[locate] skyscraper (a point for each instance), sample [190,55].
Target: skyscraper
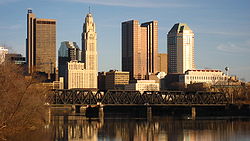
[68,51]
[139,48]
[180,48]
[89,52]
[151,45]
[41,44]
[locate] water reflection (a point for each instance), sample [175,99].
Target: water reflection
[121,128]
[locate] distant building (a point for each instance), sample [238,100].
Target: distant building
[15,58]
[101,81]
[139,48]
[41,45]
[143,85]
[68,51]
[116,79]
[203,76]
[75,75]
[3,52]
[180,49]
[162,62]
[55,84]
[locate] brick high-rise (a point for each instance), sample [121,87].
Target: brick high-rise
[41,45]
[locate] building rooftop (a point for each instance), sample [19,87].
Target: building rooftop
[179,28]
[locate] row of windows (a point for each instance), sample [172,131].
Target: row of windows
[205,78]
[46,22]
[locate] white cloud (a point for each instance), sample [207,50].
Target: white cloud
[235,48]
[134,3]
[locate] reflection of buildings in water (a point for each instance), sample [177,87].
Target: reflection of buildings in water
[76,128]
[197,135]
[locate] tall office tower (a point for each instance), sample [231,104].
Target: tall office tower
[180,49]
[41,45]
[139,48]
[68,51]
[89,52]
[151,45]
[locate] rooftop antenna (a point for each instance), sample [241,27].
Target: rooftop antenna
[89,9]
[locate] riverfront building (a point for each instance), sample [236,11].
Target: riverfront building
[116,79]
[180,49]
[41,45]
[139,48]
[203,76]
[143,85]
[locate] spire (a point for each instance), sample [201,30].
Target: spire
[89,10]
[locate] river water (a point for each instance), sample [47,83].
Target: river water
[123,127]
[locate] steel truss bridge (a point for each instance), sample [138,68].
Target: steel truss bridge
[135,98]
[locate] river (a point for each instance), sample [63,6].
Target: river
[123,127]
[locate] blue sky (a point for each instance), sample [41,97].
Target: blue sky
[221,27]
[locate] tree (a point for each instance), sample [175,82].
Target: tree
[22,101]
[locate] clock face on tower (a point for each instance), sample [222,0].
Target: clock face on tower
[91,36]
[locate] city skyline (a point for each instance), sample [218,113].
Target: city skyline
[223,36]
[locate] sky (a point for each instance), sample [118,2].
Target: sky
[221,27]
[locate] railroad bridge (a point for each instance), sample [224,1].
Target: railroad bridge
[135,98]
[188,103]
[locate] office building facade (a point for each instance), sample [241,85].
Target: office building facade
[162,62]
[180,49]
[41,45]
[203,76]
[116,80]
[139,48]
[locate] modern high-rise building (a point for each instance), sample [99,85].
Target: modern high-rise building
[41,45]
[162,62]
[180,49]
[150,41]
[68,51]
[89,52]
[139,48]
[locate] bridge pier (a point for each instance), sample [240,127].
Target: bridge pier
[193,110]
[76,108]
[101,113]
[149,113]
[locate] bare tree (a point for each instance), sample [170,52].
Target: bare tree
[22,101]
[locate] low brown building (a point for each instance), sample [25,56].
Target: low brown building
[116,79]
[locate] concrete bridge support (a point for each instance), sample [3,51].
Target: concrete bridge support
[149,113]
[193,110]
